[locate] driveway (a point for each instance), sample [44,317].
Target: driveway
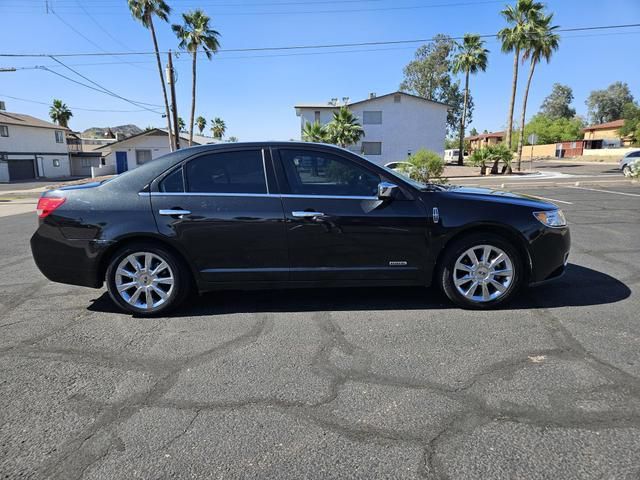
[349,383]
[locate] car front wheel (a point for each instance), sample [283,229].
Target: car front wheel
[481,271]
[146,280]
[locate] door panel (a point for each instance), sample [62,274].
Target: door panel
[337,228]
[121,162]
[21,169]
[228,238]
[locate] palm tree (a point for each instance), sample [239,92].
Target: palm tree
[201,123]
[60,113]
[218,128]
[314,132]
[232,139]
[144,11]
[542,43]
[181,124]
[196,34]
[344,129]
[521,17]
[471,57]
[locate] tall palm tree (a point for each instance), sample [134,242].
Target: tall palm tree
[521,19]
[194,35]
[60,113]
[542,43]
[201,123]
[471,58]
[218,128]
[181,124]
[144,11]
[344,129]
[314,132]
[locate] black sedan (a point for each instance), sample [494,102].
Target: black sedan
[286,214]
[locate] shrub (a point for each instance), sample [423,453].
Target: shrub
[493,153]
[424,166]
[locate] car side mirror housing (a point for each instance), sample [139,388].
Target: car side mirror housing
[387,190]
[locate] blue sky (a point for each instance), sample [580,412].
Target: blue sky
[255,92]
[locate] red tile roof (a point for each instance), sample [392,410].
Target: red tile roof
[606,126]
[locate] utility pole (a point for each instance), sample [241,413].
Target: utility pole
[171,78]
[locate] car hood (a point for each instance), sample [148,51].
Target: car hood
[498,196]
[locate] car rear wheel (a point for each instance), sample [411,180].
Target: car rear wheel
[146,280]
[481,271]
[626,171]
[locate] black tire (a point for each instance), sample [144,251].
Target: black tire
[626,171]
[446,270]
[178,271]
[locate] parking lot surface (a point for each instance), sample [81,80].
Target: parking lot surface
[349,383]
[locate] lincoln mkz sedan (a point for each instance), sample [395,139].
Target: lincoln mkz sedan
[286,214]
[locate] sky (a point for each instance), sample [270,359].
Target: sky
[254,92]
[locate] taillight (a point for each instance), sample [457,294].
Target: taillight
[46,205]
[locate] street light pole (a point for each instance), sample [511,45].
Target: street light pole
[171,78]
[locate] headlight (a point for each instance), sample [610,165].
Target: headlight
[551,218]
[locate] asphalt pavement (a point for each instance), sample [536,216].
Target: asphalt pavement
[326,383]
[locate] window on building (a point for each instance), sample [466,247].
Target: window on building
[56,162]
[372,117]
[316,116]
[372,148]
[397,98]
[4,131]
[319,173]
[3,156]
[59,136]
[143,156]
[228,172]
[85,162]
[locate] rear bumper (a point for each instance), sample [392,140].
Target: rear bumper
[549,255]
[75,262]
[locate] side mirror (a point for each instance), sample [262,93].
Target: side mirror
[387,190]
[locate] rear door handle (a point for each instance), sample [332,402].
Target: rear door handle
[174,212]
[301,214]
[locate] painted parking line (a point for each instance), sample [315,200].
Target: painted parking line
[549,199]
[604,191]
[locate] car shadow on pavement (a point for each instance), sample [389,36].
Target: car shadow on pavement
[580,286]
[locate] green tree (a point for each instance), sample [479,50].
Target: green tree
[181,124]
[473,132]
[492,153]
[232,139]
[344,129]
[521,19]
[60,113]
[424,166]
[608,105]
[218,128]
[550,130]
[144,11]
[314,132]
[429,75]
[470,59]
[201,123]
[194,35]
[540,46]
[631,127]
[558,103]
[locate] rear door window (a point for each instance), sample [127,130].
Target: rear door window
[227,172]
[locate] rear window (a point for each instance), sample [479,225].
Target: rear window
[227,172]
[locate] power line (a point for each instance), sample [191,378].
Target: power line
[72,108]
[308,47]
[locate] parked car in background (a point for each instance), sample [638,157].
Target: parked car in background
[626,162]
[397,165]
[451,155]
[285,214]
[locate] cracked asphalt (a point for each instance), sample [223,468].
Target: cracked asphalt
[349,383]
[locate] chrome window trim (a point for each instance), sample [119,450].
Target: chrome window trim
[264,170]
[259,195]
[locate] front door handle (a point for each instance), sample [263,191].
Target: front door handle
[301,214]
[174,212]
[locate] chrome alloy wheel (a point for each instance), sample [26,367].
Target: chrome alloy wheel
[483,273]
[144,280]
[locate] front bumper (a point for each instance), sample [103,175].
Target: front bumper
[549,255]
[75,262]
